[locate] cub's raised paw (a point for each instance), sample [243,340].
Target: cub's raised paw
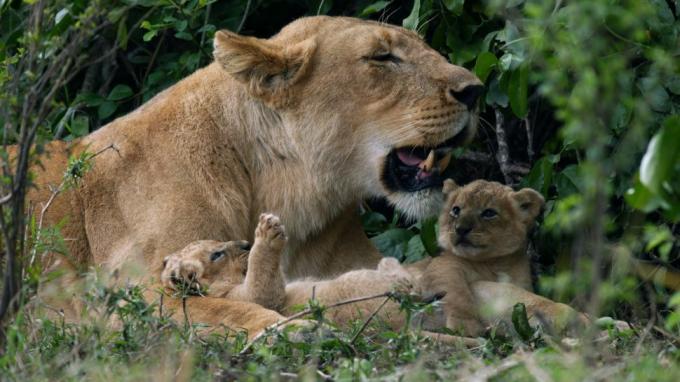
[270,231]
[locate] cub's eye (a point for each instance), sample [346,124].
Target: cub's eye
[384,57]
[489,213]
[217,255]
[455,211]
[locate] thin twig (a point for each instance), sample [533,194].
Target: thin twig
[368,320]
[503,155]
[306,312]
[244,17]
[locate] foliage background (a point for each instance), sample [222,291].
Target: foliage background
[581,104]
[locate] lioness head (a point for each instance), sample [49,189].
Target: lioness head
[207,266]
[486,219]
[368,102]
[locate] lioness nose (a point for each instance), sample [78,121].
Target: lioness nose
[468,95]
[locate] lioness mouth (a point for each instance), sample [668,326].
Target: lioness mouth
[412,169]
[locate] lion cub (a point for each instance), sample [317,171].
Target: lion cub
[483,235]
[483,231]
[236,271]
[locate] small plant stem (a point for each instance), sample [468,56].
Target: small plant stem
[369,319]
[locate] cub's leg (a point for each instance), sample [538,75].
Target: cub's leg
[496,300]
[264,283]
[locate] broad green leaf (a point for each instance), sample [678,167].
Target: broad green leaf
[393,242]
[485,63]
[80,126]
[411,22]
[122,34]
[455,6]
[119,92]
[540,176]
[148,36]
[662,155]
[374,8]
[520,322]
[106,109]
[373,222]
[518,91]
[415,250]
[567,181]
[428,234]
[656,96]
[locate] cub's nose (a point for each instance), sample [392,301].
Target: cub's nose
[463,230]
[468,95]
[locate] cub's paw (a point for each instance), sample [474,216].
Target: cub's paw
[270,232]
[182,274]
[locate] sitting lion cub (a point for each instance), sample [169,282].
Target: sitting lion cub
[483,234]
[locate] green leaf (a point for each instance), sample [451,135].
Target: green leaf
[122,34]
[428,235]
[415,250]
[106,109]
[184,36]
[148,36]
[411,22]
[455,6]
[520,322]
[662,156]
[517,91]
[374,8]
[654,93]
[485,63]
[393,242]
[567,181]
[119,92]
[80,126]
[540,176]
[373,222]
[494,94]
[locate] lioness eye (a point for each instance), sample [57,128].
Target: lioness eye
[455,211]
[489,213]
[217,255]
[385,57]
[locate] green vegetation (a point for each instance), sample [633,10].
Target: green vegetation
[581,104]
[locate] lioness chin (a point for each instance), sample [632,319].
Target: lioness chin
[305,124]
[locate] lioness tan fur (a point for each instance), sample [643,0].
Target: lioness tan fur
[304,124]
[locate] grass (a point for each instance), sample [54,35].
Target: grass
[144,345]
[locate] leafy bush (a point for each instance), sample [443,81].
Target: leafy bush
[581,104]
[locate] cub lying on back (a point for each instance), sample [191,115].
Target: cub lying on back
[234,270]
[483,230]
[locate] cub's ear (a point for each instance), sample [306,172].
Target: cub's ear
[449,186]
[530,203]
[266,68]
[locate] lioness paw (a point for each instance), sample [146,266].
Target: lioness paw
[270,231]
[467,326]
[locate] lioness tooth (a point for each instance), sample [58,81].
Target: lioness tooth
[428,164]
[444,162]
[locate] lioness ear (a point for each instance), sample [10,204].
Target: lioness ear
[265,67]
[449,186]
[530,203]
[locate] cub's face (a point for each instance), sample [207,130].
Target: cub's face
[207,266]
[368,101]
[484,219]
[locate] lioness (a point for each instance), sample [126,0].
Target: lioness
[305,124]
[483,233]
